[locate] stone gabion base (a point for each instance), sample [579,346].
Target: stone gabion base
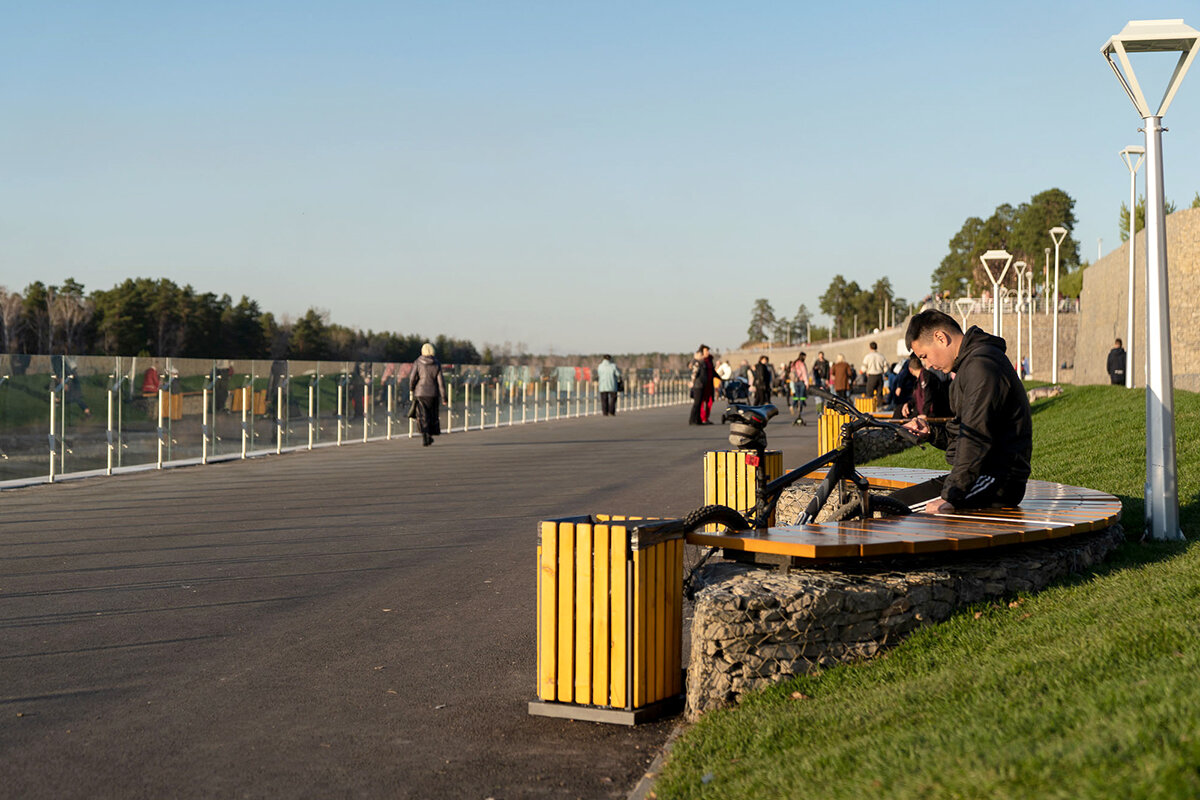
[755,626]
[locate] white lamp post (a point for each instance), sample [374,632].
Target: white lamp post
[1046,280]
[1020,268]
[1057,233]
[997,256]
[1127,155]
[1029,283]
[1156,36]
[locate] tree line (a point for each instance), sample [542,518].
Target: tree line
[1023,230]
[142,316]
[851,308]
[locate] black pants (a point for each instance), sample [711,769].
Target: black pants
[608,403]
[874,385]
[429,418]
[986,492]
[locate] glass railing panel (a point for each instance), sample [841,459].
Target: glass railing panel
[24,416]
[137,381]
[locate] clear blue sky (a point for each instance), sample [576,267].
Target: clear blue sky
[582,176]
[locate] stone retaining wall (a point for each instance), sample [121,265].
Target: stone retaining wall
[755,626]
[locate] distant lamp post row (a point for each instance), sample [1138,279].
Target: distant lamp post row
[1156,36]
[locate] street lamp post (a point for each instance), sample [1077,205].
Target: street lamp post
[1156,36]
[1046,280]
[1127,155]
[1057,233]
[1029,283]
[1020,268]
[1006,257]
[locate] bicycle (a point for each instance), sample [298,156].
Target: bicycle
[747,431]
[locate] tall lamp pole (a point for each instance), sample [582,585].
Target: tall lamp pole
[1020,268]
[1029,283]
[1156,36]
[1057,233]
[1006,257]
[1127,155]
[1046,279]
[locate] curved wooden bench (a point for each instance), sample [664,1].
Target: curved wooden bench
[1049,511]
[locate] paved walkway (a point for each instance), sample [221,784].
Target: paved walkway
[347,622]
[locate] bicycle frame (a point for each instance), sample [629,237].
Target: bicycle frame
[841,468]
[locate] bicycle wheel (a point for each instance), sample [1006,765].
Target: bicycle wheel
[694,555]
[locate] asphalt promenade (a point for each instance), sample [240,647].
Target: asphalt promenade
[349,622]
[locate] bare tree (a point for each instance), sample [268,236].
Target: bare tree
[10,317]
[69,316]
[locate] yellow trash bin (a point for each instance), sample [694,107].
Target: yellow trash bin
[609,619]
[865,404]
[730,478]
[829,430]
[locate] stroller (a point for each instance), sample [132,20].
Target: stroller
[736,390]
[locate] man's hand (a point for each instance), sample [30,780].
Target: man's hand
[937,506]
[918,427]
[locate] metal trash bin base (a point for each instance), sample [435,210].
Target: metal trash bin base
[612,716]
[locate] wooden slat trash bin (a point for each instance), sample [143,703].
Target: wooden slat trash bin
[609,619]
[829,429]
[865,404]
[730,478]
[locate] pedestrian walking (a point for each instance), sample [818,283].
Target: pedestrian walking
[798,379]
[707,391]
[820,371]
[761,379]
[428,389]
[840,376]
[874,366]
[697,391]
[608,376]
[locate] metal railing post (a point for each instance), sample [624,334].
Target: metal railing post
[160,429]
[247,397]
[524,392]
[391,407]
[278,420]
[109,468]
[203,427]
[311,421]
[366,417]
[53,438]
[340,397]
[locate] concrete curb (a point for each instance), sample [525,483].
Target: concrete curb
[645,787]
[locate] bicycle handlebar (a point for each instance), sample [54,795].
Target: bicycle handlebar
[866,419]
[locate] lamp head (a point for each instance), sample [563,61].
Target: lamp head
[1058,233]
[1151,36]
[1128,156]
[997,256]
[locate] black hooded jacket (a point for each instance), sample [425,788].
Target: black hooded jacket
[992,432]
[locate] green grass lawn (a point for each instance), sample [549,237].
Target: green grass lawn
[1088,689]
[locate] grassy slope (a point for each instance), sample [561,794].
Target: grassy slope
[1085,690]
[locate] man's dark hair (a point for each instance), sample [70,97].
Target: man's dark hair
[607,358]
[928,321]
[874,346]
[1118,342]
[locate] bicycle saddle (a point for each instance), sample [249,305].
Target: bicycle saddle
[750,415]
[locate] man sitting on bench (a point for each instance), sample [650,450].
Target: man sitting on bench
[989,442]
